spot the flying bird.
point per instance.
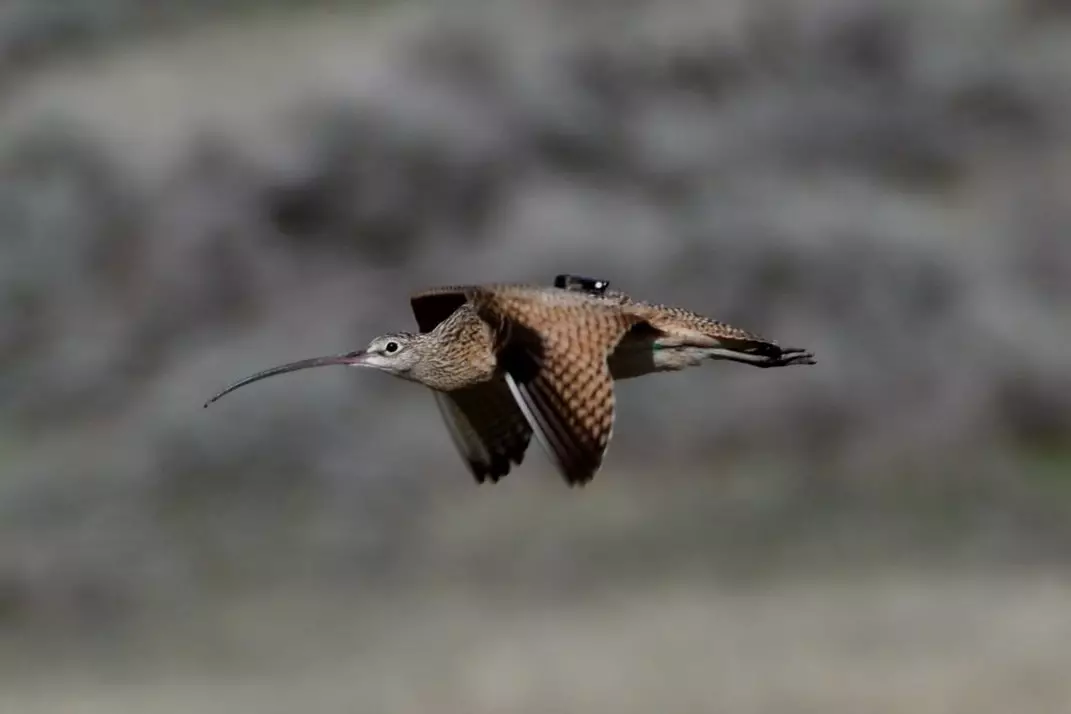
(506, 361)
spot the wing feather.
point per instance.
(555, 359)
(487, 427)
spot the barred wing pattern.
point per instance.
(555, 358)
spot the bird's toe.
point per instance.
(797, 355)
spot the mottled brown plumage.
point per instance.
(508, 361)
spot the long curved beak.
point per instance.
(350, 358)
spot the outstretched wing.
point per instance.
(488, 429)
(554, 357)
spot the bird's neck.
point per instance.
(458, 353)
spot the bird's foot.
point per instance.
(790, 356)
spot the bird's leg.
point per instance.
(781, 358)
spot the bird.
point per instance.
(506, 361)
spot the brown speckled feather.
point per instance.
(670, 320)
(677, 327)
(554, 355)
(484, 421)
(692, 328)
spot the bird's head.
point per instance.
(392, 353)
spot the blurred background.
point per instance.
(192, 191)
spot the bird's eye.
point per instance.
(390, 347)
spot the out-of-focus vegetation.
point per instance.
(192, 191)
(40, 33)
